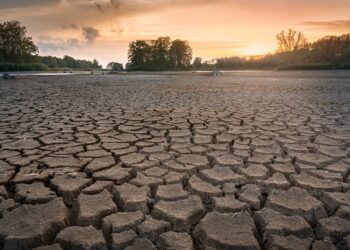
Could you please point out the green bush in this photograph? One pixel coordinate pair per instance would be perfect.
(8, 67)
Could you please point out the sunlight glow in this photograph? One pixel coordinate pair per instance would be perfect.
(256, 49)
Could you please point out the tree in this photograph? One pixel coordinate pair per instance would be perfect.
(139, 54)
(291, 40)
(71, 62)
(332, 49)
(15, 45)
(114, 66)
(50, 61)
(95, 64)
(180, 54)
(160, 52)
(197, 63)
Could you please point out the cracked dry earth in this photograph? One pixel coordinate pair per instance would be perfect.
(247, 160)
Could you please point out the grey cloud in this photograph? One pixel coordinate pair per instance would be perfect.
(49, 44)
(103, 6)
(115, 3)
(90, 34)
(7, 4)
(70, 26)
(127, 7)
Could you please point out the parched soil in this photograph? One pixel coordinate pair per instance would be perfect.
(243, 160)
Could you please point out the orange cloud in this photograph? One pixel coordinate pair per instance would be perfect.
(336, 25)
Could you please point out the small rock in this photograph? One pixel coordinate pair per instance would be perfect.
(142, 180)
(98, 187)
(3, 191)
(315, 186)
(317, 160)
(123, 239)
(132, 158)
(92, 208)
(143, 244)
(323, 245)
(122, 221)
(181, 214)
(34, 193)
(333, 227)
(174, 177)
(30, 226)
(343, 212)
(219, 175)
(296, 201)
(49, 247)
(277, 181)
(62, 162)
(7, 205)
(181, 168)
(286, 168)
(116, 174)
(229, 188)
(226, 231)
(130, 198)
(345, 244)
(171, 192)
(229, 160)
(255, 172)
(251, 194)
(69, 186)
(325, 175)
(204, 189)
(201, 162)
(332, 201)
(229, 204)
(99, 164)
(273, 223)
(87, 238)
(289, 243)
(175, 241)
(156, 172)
(151, 228)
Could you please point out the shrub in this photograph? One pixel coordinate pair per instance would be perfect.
(23, 67)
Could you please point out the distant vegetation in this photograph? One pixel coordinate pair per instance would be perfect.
(19, 53)
(68, 62)
(115, 67)
(160, 54)
(294, 53)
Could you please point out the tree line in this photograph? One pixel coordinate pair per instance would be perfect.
(159, 54)
(18, 52)
(68, 62)
(294, 52)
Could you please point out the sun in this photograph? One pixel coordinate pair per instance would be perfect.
(256, 49)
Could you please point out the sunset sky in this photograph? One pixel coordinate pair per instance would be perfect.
(102, 29)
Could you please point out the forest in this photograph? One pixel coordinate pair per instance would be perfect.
(159, 54)
(294, 52)
(19, 53)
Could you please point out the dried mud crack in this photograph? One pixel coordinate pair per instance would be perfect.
(244, 161)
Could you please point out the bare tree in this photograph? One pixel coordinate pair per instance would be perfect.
(291, 40)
